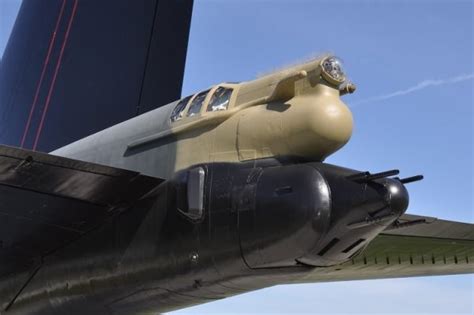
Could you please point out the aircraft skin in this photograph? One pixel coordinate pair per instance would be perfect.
(157, 147)
(74, 67)
(220, 194)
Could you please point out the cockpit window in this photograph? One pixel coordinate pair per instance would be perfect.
(220, 99)
(177, 113)
(196, 104)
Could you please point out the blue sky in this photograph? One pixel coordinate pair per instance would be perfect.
(413, 64)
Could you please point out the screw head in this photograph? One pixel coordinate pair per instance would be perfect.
(194, 257)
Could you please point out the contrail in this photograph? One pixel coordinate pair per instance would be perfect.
(420, 86)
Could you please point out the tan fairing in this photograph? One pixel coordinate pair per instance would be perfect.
(291, 113)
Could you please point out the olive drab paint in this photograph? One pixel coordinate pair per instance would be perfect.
(295, 113)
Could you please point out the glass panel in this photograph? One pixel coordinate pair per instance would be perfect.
(220, 99)
(196, 104)
(178, 110)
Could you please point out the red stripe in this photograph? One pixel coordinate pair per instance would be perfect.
(40, 82)
(56, 70)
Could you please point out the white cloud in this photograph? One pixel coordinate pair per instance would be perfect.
(420, 86)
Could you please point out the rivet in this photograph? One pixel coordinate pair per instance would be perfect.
(194, 257)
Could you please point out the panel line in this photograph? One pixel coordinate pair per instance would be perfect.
(40, 82)
(53, 82)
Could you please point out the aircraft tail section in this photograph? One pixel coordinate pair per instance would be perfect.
(74, 67)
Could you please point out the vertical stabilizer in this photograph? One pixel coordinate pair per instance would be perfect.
(74, 67)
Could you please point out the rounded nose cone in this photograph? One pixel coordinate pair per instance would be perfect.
(330, 122)
(333, 122)
(397, 196)
(313, 126)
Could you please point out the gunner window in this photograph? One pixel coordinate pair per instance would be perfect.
(220, 99)
(177, 113)
(196, 104)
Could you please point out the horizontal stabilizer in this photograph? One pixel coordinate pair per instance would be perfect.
(48, 201)
(414, 246)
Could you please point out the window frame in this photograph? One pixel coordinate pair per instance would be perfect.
(204, 102)
(181, 113)
(214, 90)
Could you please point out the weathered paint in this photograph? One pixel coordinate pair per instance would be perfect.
(293, 113)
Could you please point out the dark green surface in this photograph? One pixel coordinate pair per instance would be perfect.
(392, 255)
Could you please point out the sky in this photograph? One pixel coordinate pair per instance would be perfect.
(412, 62)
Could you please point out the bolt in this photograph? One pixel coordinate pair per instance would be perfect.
(194, 257)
